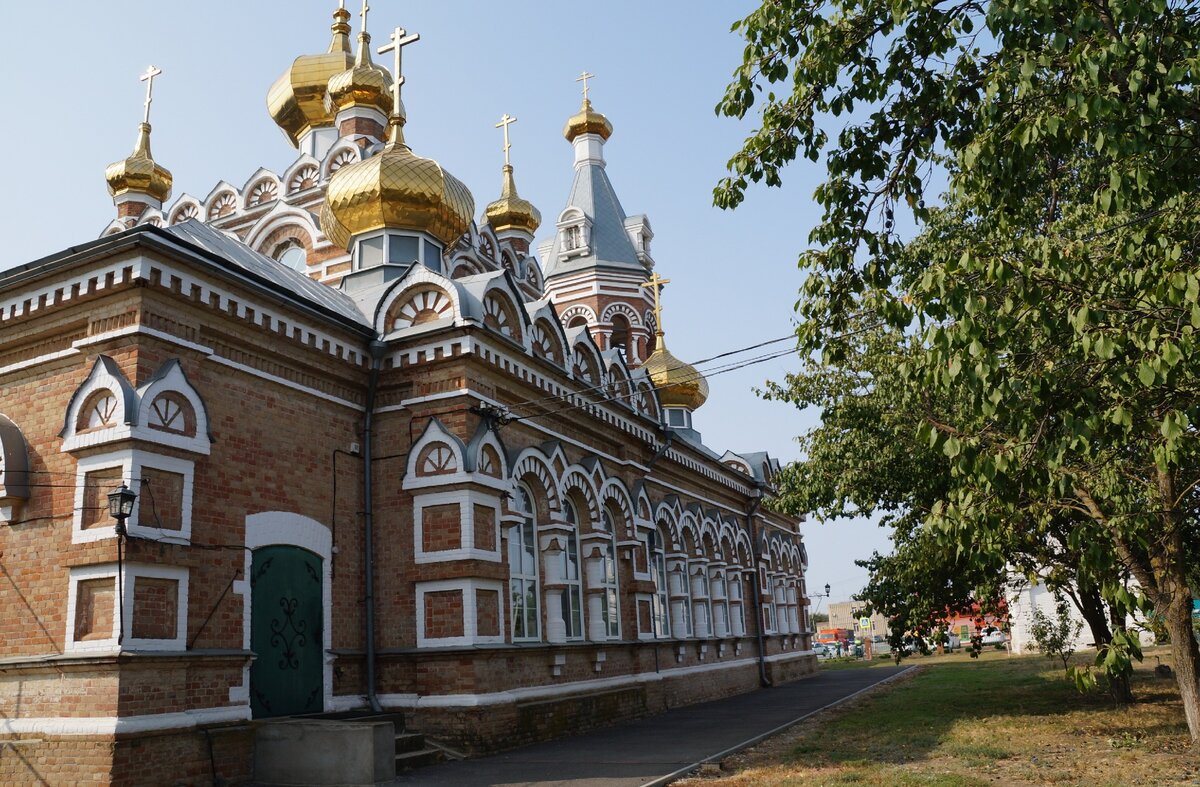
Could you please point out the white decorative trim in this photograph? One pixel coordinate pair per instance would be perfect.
(466, 499)
(132, 461)
(177, 573)
(111, 725)
(283, 528)
(467, 587)
(174, 381)
(80, 574)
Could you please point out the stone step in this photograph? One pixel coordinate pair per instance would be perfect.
(417, 759)
(409, 741)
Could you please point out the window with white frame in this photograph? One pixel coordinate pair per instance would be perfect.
(660, 604)
(701, 604)
(737, 609)
(682, 602)
(572, 238)
(720, 603)
(608, 579)
(572, 594)
(523, 571)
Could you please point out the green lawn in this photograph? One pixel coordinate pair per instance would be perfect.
(996, 720)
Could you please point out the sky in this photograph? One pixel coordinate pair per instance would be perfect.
(74, 102)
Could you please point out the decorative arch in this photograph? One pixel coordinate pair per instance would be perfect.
(338, 157)
(463, 264)
(534, 470)
(571, 315)
(545, 342)
(171, 411)
(436, 454)
(623, 309)
(501, 313)
(186, 207)
(14, 468)
(303, 174)
(282, 222)
(108, 392)
(577, 480)
(402, 303)
(613, 494)
(223, 203)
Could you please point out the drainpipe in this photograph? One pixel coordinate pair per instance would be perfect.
(377, 350)
(755, 501)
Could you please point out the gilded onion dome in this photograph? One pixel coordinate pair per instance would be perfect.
(679, 384)
(364, 84)
(297, 99)
(511, 211)
(587, 121)
(396, 189)
(139, 173)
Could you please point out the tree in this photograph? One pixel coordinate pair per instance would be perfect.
(1058, 284)
(1054, 637)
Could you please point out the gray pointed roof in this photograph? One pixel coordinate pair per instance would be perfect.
(593, 193)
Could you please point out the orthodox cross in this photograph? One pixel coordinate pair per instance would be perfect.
(655, 283)
(363, 14)
(399, 40)
(584, 77)
(504, 123)
(148, 78)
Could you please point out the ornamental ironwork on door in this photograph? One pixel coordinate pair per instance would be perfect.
(285, 632)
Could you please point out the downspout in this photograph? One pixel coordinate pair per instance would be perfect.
(755, 501)
(377, 350)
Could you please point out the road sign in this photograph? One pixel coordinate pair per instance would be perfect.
(864, 623)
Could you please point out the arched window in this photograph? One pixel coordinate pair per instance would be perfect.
(98, 412)
(572, 593)
(720, 602)
(609, 611)
(660, 604)
(701, 603)
(619, 340)
(292, 254)
(523, 570)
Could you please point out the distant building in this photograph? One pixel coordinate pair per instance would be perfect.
(848, 614)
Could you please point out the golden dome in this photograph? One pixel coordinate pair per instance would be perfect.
(139, 173)
(587, 121)
(362, 85)
(678, 383)
(396, 189)
(297, 99)
(511, 212)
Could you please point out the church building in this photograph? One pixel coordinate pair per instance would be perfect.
(338, 440)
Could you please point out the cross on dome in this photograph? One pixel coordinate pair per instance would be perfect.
(363, 14)
(655, 284)
(148, 78)
(506, 121)
(584, 77)
(399, 39)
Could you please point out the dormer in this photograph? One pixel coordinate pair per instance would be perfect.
(640, 235)
(574, 233)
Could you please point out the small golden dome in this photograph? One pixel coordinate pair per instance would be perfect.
(511, 211)
(679, 384)
(297, 99)
(363, 85)
(139, 173)
(587, 121)
(396, 189)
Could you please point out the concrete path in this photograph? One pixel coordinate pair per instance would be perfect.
(648, 751)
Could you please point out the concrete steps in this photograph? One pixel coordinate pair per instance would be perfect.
(412, 752)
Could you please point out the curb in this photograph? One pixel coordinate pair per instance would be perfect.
(746, 744)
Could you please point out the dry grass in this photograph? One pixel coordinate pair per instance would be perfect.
(999, 720)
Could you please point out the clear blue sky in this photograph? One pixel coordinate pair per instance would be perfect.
(74, 102)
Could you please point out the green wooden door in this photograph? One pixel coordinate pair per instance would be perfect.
(285, 632)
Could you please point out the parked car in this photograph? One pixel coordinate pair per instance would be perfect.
(821, 650)
(993, 636)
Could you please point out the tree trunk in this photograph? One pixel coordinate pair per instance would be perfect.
(1091, 606)
(1178, 616)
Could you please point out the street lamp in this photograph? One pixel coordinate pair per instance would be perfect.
(120, 507)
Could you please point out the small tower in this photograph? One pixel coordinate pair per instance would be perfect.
(681, 388)
(599, 258)
(360, 97)
(138, 182)
(297, 99)
(394, 209)
(513, 219)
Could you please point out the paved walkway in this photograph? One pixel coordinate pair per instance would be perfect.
(648, 750)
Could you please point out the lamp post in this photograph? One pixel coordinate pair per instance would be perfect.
(120, 508)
